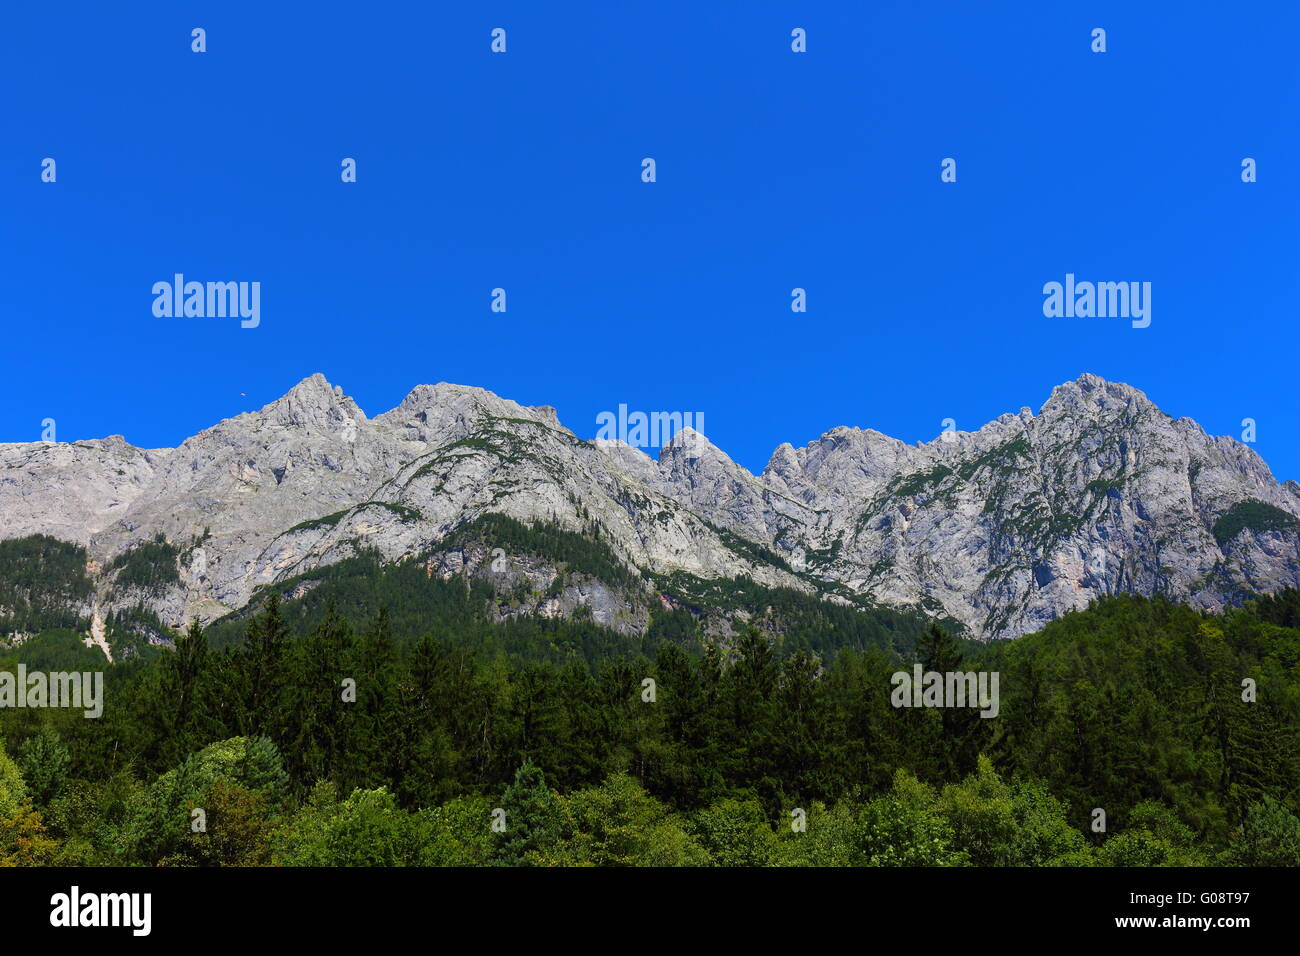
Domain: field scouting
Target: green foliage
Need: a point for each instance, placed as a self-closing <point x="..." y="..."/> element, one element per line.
<point x="801" y="621"/>
<point x="619" y="824"/>
<point x="407" y="515"/>
<point x="462" y="610"/>
<point x="533" y="819"/>
<point x="831" y="837"/>
<point x="999" y="824"/>
<point x="23" y="840"/>
<point x="1154" y="837"/>
<point x="1133" y="705"/>
<point x="366" y="829"/>
<point x="44" y="761"/>
<point x="320" y="524"/>
<point x="1134" y="848"/>
<point x="577" y="553"/>
<point x="237" y="783"/>
<point x="136" y="632"/>
<point x="151" y="567"/>
<point x="1281" y="609"/>
<point x="906" y="486"/>
<point x="1003" y="455"/>
<point x="752" y="550"/>
<point x="41" y="580"/>
<point x="1258" y="516"/>
<point x="55" y="650"/>
<point x="237" y="830"/>
<point x="904" y="828"/>
<point x="251" y="762"/>
<point x="419" y="604"/>
<point x="1044" y="836"/>
<point x="734" y="833"/>
<point x="456" y="833"/>
<point x="1136" y="700"/>
<point x="182" y="699"/>
<point x="1269" y="836"/>
<point x="13" y="791"/>
<point x="677" y="626"/>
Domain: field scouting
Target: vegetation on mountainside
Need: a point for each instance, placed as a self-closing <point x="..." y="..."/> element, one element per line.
<point x="43" y="582"/>
<point x="1134" y="706"/>
<point x="1258" y="516"/>
<point x="150" y="566"/>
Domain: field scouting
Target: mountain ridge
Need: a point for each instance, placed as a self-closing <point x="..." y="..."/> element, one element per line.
<point x="1002" y="528"/>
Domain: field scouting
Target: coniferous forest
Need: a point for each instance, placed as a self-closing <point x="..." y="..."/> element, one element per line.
<point x="332" y="734"/>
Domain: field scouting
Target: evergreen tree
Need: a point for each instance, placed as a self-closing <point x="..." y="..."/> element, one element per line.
<point x="750" y="731"/>
<point x="265" y="662"/>
<point x="44" y="761"/>
<point x="964" y="732"/>
<point x="532" y="819"/>
<point x="182" y="705"/>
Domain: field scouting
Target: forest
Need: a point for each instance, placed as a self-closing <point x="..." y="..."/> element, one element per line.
<point x="1136" y="732"/>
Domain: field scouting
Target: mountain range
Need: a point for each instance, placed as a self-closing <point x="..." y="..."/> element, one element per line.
<point x="1001" y="529"/>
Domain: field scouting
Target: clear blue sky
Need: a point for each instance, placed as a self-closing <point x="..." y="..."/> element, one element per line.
<point x="775" y="170"/>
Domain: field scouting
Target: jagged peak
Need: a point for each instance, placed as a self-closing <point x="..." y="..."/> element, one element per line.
<point x="694" y="444"/>
<point x="630" y="458"/>
<point x="111" y="442"/>
<point x="465" y="398"/>
<point x="1094" y="390"/>
<point x="314" y="384"/>
<point x="312" y="401"/>
<point x="686" y="435"/>
<point x="618" y="446"/>
<point x="846" y="435"/>
<point x="783" y="456"/>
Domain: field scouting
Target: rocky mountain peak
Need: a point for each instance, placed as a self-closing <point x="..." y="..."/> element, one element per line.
<point x="113" y="443"/>
<point x="446" y="412"/>
<point x="690" y="444"/>
<point x="1002" y="528"/>
<point x="1095" y="395"/>
<point x="632" y="460"/>
<point x="313" y="403"/>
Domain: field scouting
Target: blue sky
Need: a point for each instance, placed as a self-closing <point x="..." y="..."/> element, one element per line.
<point x="775" y="170"/>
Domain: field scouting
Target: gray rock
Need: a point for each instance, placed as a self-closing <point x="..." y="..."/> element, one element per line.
<point x="1002" y="529"/>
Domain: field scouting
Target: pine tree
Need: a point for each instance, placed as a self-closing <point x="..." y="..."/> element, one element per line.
<point x="183" y="703"/>
<point x="370" y="756"/>
<point x="963" y="735"/>
<point x="265" y="660"/>
<point x="751" y="691"/>
<point x="532" y="819"/>
<point x="44" y="761"/>
<point x="319" y="665"/>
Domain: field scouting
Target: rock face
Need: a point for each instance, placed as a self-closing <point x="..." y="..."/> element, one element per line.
<point x="1003" y="529"/>
<point x="1010" y="526"/>
<point x="524" y="586"/>
<point x="70" y="489"/>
